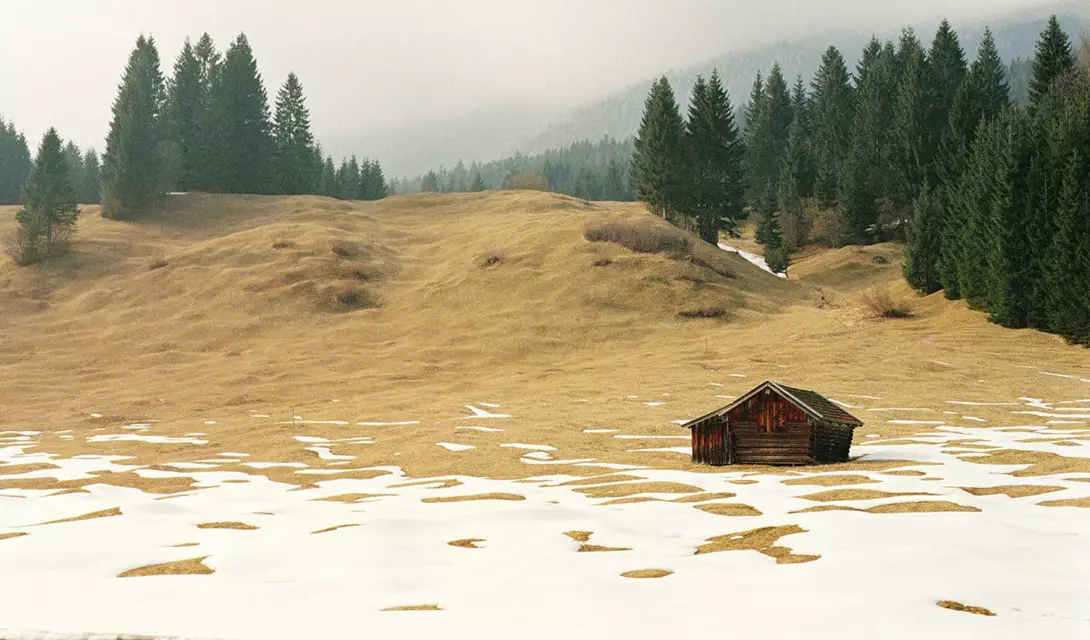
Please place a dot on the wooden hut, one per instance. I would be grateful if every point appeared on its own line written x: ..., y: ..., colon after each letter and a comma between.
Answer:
x: 774, y: 424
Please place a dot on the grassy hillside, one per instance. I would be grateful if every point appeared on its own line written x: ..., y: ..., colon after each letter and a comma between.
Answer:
x: 222, y: 307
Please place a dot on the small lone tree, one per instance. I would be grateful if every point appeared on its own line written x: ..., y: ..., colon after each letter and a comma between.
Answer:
x: 49, y: 205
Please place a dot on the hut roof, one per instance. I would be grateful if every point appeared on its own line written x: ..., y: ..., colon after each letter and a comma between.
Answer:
x: 813, y: 403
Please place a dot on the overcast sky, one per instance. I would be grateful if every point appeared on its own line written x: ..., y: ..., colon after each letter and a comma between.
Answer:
x: 371, y: 64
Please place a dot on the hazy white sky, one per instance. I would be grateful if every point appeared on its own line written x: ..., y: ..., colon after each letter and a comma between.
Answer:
x: 370, y: 64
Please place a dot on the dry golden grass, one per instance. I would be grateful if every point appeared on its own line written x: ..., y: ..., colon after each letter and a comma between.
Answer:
x: 595, y: 548
x: 353, y: 498
x: 193, y: 567
x: 1083, y: 503
x: 579, y: 536
x: 328, y: 529
x: 904, y: 472
x: 237, y: 526
x: 647, y: 573
x: 437, y: 484
x: 957, y: 606
x: 762, y: 540
x: 9, y: 536
x: 105, y: 513
x: 234, y: 326
x: 415, y: 607
x: 606, y: 479
x: 636, y: 488
x: 477, y: 497
x: 1040, y: 463
x: 466, y: 543
x: 186, y: 544
x: 1012, y: 491
x: 727, y: 509
x: 19, y: 469
x: 922, y: 506
x: 829, y: 481
x: 704, y: 497
x: 837, y: 495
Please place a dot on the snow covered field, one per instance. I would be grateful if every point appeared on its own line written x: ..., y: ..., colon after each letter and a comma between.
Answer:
x: 831, y: 554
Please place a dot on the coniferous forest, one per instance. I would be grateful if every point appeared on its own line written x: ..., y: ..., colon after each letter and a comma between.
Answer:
x: 919, y: 143
x: 207, y: 126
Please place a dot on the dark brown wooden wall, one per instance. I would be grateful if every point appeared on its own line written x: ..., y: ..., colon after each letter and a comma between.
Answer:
x: 755, y: 445
x: 709, y: 442
x: 832, y: 444
x: 768, y: 410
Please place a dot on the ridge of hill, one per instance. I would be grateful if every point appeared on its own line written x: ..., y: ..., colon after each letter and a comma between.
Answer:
x: 219, y: 308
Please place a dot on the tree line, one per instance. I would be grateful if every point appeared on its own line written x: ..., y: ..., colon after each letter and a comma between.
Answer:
x: 919, y: 144
x: 589, y: 170
x: 208, y: 127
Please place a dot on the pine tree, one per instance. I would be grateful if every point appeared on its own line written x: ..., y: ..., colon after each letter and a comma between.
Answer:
x: 614, y: 181
x: 832, y: 114
x: 946, y: 75
x: 715, y: 155
x: 430, y: 183
x: 204, y: 163
x: 911, y: 148
x: 49, y: 203
x: 1068, y: 263
x: 73, y: 157
x: 796, y: 179
x: 294, y: 144
x: 239, y: 115
x: 185, y: 99
x: 802, y: 115
x: 478, y: 184
x: 132, y: 165
x: 1053, y: 59
x: 923, y: 244
x: 372, y: 182
x: 15, y: 163
x: 770, y: 141
x: 90, y: 190
x: 328, y: 183
x: 658, y: 170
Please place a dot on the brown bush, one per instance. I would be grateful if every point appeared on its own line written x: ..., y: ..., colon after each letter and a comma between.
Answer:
x: 491, y: 258
x: 344, y: 249
x: 20, y: 247
x: 880, y: 304
x: 706, y: 312
x: 604, y: 262
x: 283, y: 244
x: 825, y: 227
x: 158, y: 264
x: 352, y: 299
x: 641, y: 237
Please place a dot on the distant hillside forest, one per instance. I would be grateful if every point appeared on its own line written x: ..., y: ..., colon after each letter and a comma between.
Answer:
x: 590, y: 170
x: 991, y: 197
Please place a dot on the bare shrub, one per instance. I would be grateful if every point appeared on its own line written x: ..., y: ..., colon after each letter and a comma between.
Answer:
x: 604, y: 262
x: 158, y: 264
x: 344, y: 248
x: 20, y: 247
x: 880, y: 304
x: 640, y: 237
x: 352, y: 299
x: 366, y: 273
x: 825, y: 227
x: 706, y: 312
x: 285, y: 244
x: 526, y: 180
x: 491, y: 258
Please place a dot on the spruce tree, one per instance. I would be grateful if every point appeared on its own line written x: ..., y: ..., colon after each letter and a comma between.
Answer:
x: 795, y: 179
x: 294, y: 144
x: 372, y: 182
x: 430, y: 183
x: 478, y: 184
x: 90, y: 190
x: 770, y: 141
x: 658, y: 170
x: 239, y: 115
x: 49, y: 203
x: 832, y: 113
x: 911, y: 147
x: 15, y: 163
x: 715, y: 154
x: 74, y: 158
x: 1067, y: 271
x: 185, y: 99
x: 1052, y: 59
x: 203, y: 163
x: 328, y: 183
x: 923, y: 244
x: 132, y: 165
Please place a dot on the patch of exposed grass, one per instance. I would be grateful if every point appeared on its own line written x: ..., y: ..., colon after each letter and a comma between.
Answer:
x: 466, y: 543
x: 729, y: 509
x: 192, y: 567
x: 514, y: 497
x: 415, y: 607
x: 957, y: 606
x: 639, y: 236
x: 647, y: 573
x: 237, y: 526
x: 761, y: 540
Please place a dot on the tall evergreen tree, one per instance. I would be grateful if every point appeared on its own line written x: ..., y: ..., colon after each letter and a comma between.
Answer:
x: 923, y: 244
x: 327, y: 185
x: 715, y: 156
x: 795, y: 183
x: 132, y: 165
x: 15, y: 163
x: 832, y: 114
x: 204, y: 149
x: 912, y: 149
x: 294, y: 144
x: 74, y: 158
x: 478, y: 183
x: 90, y: 190
x: 770, y: 141
x: 946, y: 75
x: 372, y: 181
x: 49, y: 202
x: 239, y: 115
x: 1068, y: 263
x: 186, y: 93
x: 1053, y: 59
x: 658, y: 171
